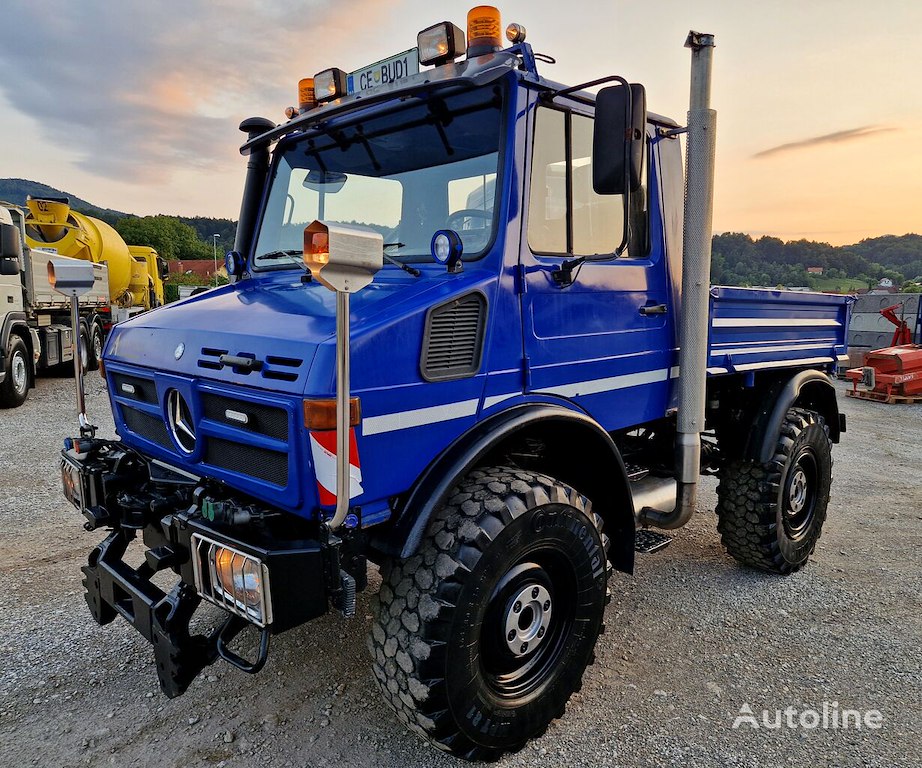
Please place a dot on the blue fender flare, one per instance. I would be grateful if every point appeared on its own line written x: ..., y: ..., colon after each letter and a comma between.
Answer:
x: 611, y: 499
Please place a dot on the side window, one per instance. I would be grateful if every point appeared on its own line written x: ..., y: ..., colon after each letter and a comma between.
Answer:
x: 565, y: 215
x: 547, y: 211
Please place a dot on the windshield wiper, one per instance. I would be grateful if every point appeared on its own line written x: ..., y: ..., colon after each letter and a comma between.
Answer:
x: 280, y: 254
x: 405, y: 267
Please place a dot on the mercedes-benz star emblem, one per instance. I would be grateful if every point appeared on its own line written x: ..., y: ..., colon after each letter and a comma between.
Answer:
x: 180, y: 348
x: 182, y: 426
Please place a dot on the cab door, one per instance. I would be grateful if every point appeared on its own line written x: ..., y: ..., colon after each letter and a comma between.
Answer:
x: 607, y: 340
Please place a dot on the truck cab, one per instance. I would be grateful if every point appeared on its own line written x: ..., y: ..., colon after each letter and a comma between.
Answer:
x: 490, y: 419
x: 17, y: 342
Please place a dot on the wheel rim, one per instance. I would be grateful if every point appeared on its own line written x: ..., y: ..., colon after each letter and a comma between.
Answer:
x: 799, y: 495
x: 20, y: 372
x: 526, y: 630
x: 97, y: 345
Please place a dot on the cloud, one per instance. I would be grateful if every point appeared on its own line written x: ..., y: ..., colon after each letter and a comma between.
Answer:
x: 136, y: 90
x: 852, y: 134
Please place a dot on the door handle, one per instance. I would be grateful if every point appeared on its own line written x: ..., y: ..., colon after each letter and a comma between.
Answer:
x: 653, y: 309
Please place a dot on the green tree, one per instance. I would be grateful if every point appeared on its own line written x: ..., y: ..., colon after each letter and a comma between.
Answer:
x: 171, y: 238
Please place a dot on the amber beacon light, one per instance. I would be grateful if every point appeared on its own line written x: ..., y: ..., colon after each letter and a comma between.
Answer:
x: 484, y: 30
x: 306, y: 98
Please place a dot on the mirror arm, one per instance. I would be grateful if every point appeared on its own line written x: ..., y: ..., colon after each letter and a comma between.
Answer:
x: 671, y: 133
x: 551, y: 95
x: 563, y: 275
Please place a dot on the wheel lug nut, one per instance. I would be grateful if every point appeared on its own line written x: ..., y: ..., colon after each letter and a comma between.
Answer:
x: 517, y: 607
x: 541, y: 632
x: 534, y: 592
x: 511, y: 635
x: 523, y: 648
x: 547, y: 605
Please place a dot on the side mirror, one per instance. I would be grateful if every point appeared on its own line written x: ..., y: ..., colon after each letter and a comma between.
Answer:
x: 618, y: 139
x: 10, y: 242
x: 9, y: 266
x: 10, y: 249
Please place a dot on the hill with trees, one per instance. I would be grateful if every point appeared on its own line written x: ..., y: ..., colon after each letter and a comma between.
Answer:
x: 738, y: 259
x: 174, y: 237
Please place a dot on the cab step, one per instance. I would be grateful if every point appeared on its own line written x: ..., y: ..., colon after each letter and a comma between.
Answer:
x: 647, y: 541
x: 636, y: 472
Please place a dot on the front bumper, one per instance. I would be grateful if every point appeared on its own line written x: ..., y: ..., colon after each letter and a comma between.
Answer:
x: 297, y: 571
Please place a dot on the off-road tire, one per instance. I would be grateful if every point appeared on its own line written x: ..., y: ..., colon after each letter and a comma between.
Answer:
x: 756, y: 515
x: 15, y: 387
x: 434, y: 653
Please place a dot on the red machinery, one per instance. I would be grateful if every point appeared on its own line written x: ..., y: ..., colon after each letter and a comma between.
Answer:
x: 902, y: 334
x: 894, y: 374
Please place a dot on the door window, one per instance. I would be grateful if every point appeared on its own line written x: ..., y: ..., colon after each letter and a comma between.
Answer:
x: 565, y: 215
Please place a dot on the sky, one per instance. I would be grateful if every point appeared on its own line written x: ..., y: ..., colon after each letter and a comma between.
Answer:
x: 134, y: 105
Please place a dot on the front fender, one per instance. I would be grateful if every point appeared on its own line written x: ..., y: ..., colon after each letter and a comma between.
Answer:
x: 602, y: 476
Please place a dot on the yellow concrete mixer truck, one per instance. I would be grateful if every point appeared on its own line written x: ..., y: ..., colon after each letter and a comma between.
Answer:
x: 35, y: 330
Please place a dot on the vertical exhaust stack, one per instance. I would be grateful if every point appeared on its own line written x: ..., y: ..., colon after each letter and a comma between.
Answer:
x: 696, y: 281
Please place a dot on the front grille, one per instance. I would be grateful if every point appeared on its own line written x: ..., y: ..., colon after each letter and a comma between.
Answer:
x: 453, y: 340
x: 147, y: 426
x: 134, y: 388
x: 264, y: 419
x: 263, y: 464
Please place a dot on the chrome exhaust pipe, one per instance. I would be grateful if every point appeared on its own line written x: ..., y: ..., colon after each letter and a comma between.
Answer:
x: 696, y: 282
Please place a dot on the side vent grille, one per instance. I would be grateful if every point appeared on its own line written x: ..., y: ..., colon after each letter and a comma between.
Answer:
x: 453, y: 341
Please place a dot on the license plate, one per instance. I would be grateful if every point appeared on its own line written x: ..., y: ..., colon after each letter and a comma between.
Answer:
x: 384, y: 72
x: 72, y: 482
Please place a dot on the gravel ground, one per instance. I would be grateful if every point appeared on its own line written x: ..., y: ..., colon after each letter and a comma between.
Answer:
x: 691, y: 639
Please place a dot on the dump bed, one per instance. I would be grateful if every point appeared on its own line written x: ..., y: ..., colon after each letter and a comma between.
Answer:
x: 43, y: 297
x: 755, y: 328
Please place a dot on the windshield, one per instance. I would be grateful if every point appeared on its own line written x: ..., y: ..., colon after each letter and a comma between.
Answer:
x: 428, y: 166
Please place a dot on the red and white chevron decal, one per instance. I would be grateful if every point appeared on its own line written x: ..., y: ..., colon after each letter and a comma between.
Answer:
x: 323, y: 452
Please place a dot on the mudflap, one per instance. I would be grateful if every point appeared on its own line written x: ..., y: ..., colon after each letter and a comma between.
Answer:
x: 114, y: 588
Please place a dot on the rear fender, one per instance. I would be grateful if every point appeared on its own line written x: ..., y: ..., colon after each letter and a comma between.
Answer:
x: 806, y: 389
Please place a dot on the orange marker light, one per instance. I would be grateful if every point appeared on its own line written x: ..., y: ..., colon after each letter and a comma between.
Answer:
x: 320, y: 415
x: 319, y: 247
x: 484, y: 30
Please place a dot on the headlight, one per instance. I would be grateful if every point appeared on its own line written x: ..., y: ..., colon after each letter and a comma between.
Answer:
x: 232, y: 579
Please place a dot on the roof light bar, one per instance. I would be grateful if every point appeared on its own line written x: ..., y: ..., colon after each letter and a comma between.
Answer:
x: 440, y: 43
x: 329, y: 84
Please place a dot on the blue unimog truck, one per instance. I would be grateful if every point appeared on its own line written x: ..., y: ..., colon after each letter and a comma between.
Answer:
x: 521, y: 370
